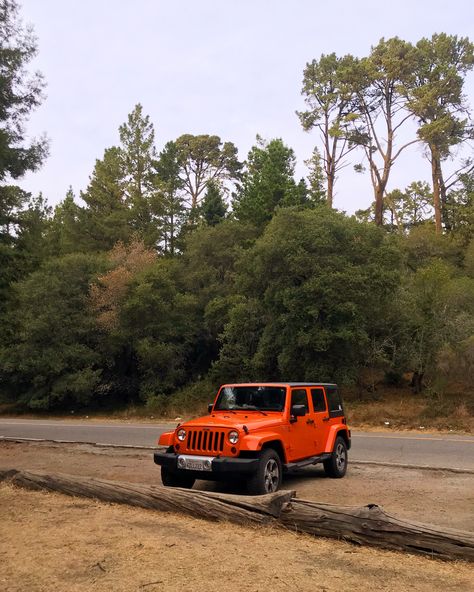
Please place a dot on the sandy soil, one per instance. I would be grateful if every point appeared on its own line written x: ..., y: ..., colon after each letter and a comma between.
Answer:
x: 437, y: 497
x: 52, y: 542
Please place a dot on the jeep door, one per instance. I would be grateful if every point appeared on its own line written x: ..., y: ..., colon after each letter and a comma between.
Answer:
x: 320, y: 415
x: 301, y: 429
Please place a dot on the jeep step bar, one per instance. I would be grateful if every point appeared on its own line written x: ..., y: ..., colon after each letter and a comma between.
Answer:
x: 311, y: 460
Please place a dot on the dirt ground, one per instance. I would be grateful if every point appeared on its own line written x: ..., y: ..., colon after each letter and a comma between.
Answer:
x: 437, y: 497
x: 50, y: 542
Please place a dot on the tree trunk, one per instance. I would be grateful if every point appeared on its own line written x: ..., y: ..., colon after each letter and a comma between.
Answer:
x: 436, y: 179
x: 330, y: 193
x: 172, y: 235
x: 445, y: 217
x: 379, y: 183
x: 368, y: 525
x: 417, y: 382
x: 379, y: 205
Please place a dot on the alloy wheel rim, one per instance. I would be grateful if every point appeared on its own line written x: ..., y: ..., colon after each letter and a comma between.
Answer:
x: 340, y: 457
x: 271, y: 476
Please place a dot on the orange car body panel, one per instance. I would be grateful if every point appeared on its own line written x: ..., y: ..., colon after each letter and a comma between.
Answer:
x: 166, y: 439
x: 335, y: 431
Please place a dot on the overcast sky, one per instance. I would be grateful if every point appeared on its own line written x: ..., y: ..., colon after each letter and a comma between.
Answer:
x: 226, y: 67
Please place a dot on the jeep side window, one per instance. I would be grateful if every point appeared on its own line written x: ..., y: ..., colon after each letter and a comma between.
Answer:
x: 317, y: 395
x: 299, y: 397
x: 334, y: 402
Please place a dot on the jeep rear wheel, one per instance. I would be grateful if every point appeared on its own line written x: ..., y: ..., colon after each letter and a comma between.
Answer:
x: 172, y: 479
x: 336, y: 466
x: 267, y: 478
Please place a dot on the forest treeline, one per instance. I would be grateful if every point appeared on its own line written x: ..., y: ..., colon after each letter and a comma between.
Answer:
x: 184, y: 267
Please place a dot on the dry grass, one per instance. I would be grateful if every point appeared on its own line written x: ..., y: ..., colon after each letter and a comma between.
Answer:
x: 403, y: 410
x: 400, y: 411
x: 54, y: 543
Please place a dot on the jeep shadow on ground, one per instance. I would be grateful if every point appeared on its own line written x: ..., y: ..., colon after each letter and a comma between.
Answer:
x: 291, y: 480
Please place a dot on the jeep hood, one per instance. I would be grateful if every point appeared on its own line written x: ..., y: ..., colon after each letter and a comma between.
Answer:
x: 253, y: 421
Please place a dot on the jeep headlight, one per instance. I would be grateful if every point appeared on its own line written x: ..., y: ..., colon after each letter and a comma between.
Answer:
x: 233, y: 437
x: 181, y: 434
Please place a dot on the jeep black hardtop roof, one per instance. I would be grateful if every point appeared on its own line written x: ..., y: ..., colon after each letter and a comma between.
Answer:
x: 280, y: 384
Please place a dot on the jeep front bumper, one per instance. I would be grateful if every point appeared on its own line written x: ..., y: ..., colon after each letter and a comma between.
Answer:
x: 223, y: 465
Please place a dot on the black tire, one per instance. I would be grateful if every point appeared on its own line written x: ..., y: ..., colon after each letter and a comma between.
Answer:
x: 336, y: 466
x: 171, y: 479
x: 267, y: 478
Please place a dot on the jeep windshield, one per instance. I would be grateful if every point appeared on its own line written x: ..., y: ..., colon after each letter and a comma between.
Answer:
x: 251, y: 398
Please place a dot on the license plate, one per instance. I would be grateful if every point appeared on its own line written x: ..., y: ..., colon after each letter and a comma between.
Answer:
x: 193, y: 463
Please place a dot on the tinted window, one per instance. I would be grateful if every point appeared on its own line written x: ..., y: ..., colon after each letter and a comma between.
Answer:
x: 334, y: 401
x: 299, y: 397
x: 317, y: 395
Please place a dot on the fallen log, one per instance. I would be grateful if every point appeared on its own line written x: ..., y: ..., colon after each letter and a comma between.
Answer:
x: 261, y: 509
x: 368, y: 525
x: 371, y: 525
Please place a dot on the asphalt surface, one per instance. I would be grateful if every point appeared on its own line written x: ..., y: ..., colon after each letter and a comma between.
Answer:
x: 420, y: 449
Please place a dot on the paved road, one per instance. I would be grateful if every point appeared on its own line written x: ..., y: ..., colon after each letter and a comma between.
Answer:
x: 433, y: 450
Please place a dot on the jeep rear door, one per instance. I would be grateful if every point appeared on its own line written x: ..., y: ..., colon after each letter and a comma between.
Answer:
x: 301, y: 429
x: 320, y: 415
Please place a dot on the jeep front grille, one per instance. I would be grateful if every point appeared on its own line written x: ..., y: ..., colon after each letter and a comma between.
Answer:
x: 205, y: 441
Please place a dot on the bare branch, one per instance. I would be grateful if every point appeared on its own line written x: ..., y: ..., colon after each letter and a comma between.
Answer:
x: 394, y: 158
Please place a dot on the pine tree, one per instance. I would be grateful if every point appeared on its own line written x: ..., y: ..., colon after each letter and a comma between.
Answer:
x: 268, y: 182
x: 65, y: 234
x: 106, y: 216
x: 137, y: 137
x: 23, y: 223
x: 435, y: 97
x: 316, y: 192
x: 214, y: 208
x: 169, y: 184
x: 204, y: 159
x: 21, y: 92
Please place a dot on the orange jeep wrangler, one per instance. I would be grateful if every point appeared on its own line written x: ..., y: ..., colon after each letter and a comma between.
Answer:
x: 255, y: 432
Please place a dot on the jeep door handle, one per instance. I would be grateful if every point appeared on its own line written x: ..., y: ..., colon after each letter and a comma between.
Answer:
x: 325, y: 418
x: 310, y: 421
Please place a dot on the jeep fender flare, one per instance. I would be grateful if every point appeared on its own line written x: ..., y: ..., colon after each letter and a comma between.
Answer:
x: 257, y: 442
x: 166, y: 439
x: 335, y: 431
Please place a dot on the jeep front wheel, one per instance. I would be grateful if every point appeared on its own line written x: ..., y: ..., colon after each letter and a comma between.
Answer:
x: 336, y: 465
x: 171, y: 479
x: 267, y: 478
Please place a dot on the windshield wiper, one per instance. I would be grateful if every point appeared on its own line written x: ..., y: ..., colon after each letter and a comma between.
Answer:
x: 253, y: 408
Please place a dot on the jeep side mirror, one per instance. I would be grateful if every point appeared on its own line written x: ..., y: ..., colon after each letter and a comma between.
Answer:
x: 209, y: 407
x: 298, y: 410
